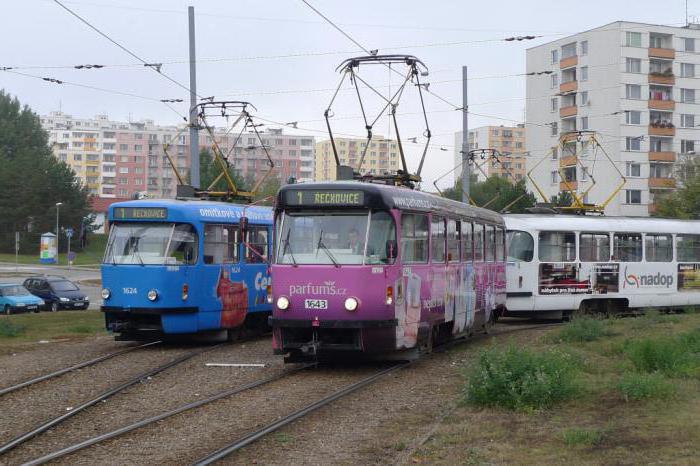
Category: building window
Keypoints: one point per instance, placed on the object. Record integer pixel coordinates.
(555, 152)
(634, 39)
(633, 117)
(583, 98)
(584, 73)
(633, 196)
(555, 128)
(687, 147)
(584, 47)
(555, 56)
(124, 147)
(554, 177)
(633, 65)
(568, 50)
(633, 91)
(584, 123)
(633, 169)
(688, 96)
(632, 143)
(688, 44)
(554, 104)
(555, 80)
(687, 70)
(687, 120)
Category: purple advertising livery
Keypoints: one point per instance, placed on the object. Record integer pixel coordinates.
(374, 269)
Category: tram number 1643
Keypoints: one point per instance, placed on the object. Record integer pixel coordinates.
(315, 304)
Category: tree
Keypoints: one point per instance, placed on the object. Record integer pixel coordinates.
(495, 193)
(33, 181)
(209, 170)
(684, 202)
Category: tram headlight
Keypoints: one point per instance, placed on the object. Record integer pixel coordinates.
(152, 295)
(106, 293)
(283, 303)
(351, 304)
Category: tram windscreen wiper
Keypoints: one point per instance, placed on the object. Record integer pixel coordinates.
(287, 247)
(325, 248)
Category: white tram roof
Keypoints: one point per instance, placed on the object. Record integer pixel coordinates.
(553, 222)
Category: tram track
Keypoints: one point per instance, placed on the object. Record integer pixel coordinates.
(54, 421)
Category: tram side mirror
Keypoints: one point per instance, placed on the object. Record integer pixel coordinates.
(391, 250)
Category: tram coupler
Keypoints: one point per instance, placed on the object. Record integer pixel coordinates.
(310, 348)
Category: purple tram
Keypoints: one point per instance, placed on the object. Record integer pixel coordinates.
(367, 269)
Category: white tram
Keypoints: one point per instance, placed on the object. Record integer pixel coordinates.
(558, 264)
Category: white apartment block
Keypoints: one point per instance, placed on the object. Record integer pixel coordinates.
(636, 85)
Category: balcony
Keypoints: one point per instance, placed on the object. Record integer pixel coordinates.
(663, 183)
(568, 62)
(570, 86)
(567, 161)
(662, 156)
(667, 79)
(662, 53)
(571, 110)
(571, 185)
(662, 129)
(667, 105)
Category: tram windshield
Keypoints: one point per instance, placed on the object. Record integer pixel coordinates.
(336, 238)
(151, 244)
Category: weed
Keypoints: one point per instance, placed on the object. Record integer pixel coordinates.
(400, 446)
(10, 329)
(282, 437)
(520, 379)
(672, 356)
(582, 437)
(636, 386)
(651, 318)
(585, 329)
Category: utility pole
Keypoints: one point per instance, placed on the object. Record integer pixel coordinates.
(465, 139)
(194, 124)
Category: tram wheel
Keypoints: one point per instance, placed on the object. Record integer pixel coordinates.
(233, 334)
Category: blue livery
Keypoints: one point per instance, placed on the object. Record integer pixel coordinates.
(185, 267)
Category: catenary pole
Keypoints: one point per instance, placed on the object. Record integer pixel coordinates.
(465, 139)
(194, 126)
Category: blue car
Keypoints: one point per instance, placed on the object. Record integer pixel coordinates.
(16, 298)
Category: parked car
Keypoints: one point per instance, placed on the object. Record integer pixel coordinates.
(16, 298)
(57, 292)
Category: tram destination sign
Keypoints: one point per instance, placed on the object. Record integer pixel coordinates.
(140, 213)
(325, 197)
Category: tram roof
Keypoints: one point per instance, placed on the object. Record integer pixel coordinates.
(196, 210)
(382, 196)
(589, 223)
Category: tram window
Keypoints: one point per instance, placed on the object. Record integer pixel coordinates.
(521, 246)
(490, 247)
(627, 247)
(152, 244)
(478, 243)
(557, 246)
(500, 245)
(381, 243)
(688, 248)
(452, 240)
(220, 244)
(414, 238)
(594, 247)
(659, 248)
(467, 251)
(256, 250)
(437, 234)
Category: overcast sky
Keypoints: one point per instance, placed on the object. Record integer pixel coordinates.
(245, 47)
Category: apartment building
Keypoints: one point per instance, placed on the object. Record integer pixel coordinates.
(509, 141)
(122, 159)
(382, 156)
(635, 85)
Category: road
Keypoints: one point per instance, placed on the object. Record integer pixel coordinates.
(11, 274)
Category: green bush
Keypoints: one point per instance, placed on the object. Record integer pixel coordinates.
(672, 356)
(585, 437)
(639, 386)
(585, 329)
(515, 378)
(10, 329)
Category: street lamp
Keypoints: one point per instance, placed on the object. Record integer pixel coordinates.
(58, 235)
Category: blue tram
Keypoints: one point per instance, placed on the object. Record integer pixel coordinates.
(186, 267)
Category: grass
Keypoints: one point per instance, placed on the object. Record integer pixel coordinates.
(521, 380)
(283, 437)
(575, 437)
(92, 254)
(585, 329)
(637, 386)
(674, 356)
(32, 328)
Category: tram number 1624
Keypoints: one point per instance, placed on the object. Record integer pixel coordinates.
(316, 304)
